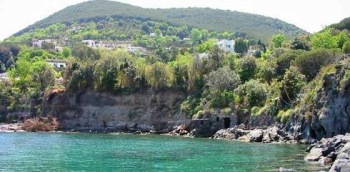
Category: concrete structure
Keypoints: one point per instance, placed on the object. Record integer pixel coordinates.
(57, 63)
(90, 43)
(227, 45)
(3, 77)
(37, 43)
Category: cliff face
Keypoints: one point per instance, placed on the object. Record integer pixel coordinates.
(329, 113)
(142, 111)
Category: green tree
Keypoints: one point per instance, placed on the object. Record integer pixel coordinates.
(206, 46)
(298, 44)
(84, 52)
(247, 68)
(342, 37)
(215, 58)
(310, 63)
(284, 61)
(81, 77)
(241, 46)
(290, 86)
(42, 74)
(252, 93)
(66, 52)
(159, 75)
(346, 47)
(324, 39)
(277, 40)
(6, 59)
(222, 79)
(196, 35)
(36, 74)
(105, 73)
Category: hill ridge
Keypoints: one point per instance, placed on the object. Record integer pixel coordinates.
(256, 26)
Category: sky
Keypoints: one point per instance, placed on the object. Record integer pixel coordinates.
(310, 15)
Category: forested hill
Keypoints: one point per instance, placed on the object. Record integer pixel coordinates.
(342, 25)
(256, 26)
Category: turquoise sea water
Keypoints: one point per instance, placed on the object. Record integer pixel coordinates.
(123, 152)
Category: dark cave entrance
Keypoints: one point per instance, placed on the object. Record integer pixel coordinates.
(227, 122)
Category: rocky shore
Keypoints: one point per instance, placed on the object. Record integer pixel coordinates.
(16, 127)
(268, 135)
(333, 152)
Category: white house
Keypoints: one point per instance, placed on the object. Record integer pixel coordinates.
(37, 43)
(227, 45)
(4, 77)
(133, 49)
(202, 55)
(57, 63)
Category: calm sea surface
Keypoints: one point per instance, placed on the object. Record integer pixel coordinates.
(121, 152)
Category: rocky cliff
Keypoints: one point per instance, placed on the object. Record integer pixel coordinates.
(328, 113)
(142, 111)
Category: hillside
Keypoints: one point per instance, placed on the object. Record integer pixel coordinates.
(344, 24)
(256, 26)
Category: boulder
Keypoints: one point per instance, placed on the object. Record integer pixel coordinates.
(341, 165)
(240, 132)
(271, 135)
(224, 134)
(327, 150)
(314, 154)
(255, 135)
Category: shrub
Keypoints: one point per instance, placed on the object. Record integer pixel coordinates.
(345, 82)
(247, 68)
(252, 93)
(283, 116)
(291, 85)
(41, 124)
(310, 63)
(221, 99)
(346, 47)
(283, 62)
(222, 79)
(199, 114)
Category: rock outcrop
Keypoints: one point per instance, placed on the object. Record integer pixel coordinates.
(144, 111)
(327, 112)
(269, 135)
(334, 152)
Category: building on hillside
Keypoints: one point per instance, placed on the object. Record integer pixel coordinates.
(227, 45)
(3, 77)
(57, 63)
(37, 43)
(58, 48)
(90, 43)
(202, 55)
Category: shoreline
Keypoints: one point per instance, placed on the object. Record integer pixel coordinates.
(11, 127)
(324, 152)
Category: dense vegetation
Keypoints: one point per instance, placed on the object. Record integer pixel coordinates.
(278, 77)
(255, 26)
